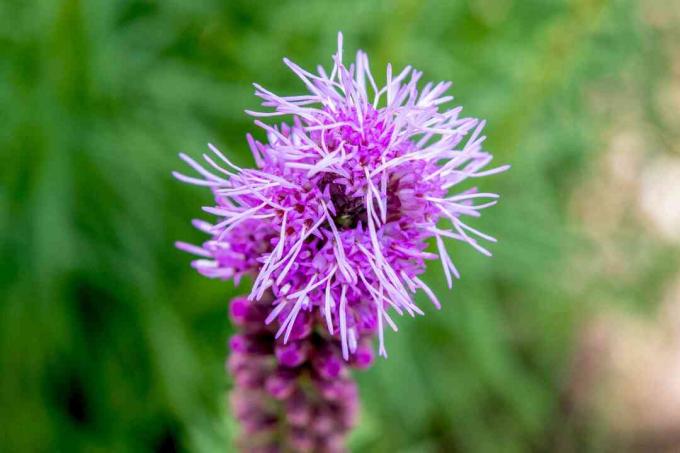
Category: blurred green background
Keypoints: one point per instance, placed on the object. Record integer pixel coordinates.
(109, 341)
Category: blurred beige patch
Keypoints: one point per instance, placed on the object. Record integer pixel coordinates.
(659, 198)
(663, 14)
(626, 374)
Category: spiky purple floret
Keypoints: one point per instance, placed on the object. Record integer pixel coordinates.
(337, 215)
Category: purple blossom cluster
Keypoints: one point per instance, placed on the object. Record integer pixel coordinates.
(335, 220)
(333, 226)
(296, 396)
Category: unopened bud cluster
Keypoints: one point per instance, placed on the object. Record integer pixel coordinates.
(297, 396)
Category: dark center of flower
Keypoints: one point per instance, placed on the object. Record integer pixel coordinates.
(349, 210)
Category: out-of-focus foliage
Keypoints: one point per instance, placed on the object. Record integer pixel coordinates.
(110, 342)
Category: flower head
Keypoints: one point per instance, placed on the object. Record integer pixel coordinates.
(337, 215)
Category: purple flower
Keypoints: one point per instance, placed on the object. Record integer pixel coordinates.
(335, 220)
